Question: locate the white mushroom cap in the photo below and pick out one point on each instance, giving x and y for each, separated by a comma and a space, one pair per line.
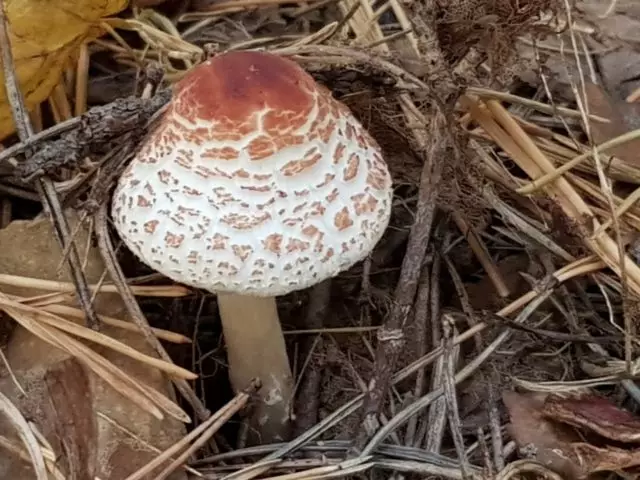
256, 181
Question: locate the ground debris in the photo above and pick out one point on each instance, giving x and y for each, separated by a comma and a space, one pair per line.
99, 131
93, 429
542, 427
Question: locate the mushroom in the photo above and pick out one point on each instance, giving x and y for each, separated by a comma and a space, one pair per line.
255, 182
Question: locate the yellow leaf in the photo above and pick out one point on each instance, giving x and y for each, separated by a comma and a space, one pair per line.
45, 36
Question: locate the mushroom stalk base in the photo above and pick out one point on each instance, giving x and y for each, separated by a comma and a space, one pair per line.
256, 349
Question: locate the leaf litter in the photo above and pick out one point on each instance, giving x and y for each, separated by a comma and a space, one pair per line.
509, 265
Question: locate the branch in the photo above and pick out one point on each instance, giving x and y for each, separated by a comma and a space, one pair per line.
44, 185
391, 335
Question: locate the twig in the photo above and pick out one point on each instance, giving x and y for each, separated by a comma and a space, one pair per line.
432, 431
238, 402
424, 470
436, 419
517, 468
46, 190
53, 131
552, 175
453, 414
605, 186
530, 303
12, 375
96, 133
337, 416
133, 309
463, 297
391, 335
213, 426
560, 336
481, 253
328, 448
486, 454
420, 320
308, 398
65, 287
423, 402
497, 442
437, 412
66, 311
541, 107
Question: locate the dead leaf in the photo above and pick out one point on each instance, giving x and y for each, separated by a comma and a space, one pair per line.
557, 445
623, 117
534, 434
45, 36
70, 410
596, 414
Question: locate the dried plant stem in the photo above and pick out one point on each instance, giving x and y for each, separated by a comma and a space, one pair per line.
22, 427
496, 432
508, 134
420, 404
97, 337
44, 185
481, 253
213, 426
391, 335
606, 188
144, 397
71, 312
519, 467
237, 403
436, 418
433, 426
541, 107
52, 285
308, 398
420, 320
449, 386
341, 413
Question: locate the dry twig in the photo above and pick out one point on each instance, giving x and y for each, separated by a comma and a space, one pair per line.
391, 335
46, 190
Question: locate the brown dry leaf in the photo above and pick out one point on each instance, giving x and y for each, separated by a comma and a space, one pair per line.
70, 409
45, 37
623, 118
557, 445
532, 431
594, 413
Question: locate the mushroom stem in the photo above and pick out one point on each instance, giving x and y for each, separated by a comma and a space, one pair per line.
256, 349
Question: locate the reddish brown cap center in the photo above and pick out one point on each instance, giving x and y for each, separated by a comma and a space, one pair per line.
235, 85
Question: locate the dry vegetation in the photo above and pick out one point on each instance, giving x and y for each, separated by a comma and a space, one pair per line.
490, 335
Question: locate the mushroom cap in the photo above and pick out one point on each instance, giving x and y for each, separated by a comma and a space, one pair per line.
255, 181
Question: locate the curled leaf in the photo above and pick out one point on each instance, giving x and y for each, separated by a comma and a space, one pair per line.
596, 414
541, 427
